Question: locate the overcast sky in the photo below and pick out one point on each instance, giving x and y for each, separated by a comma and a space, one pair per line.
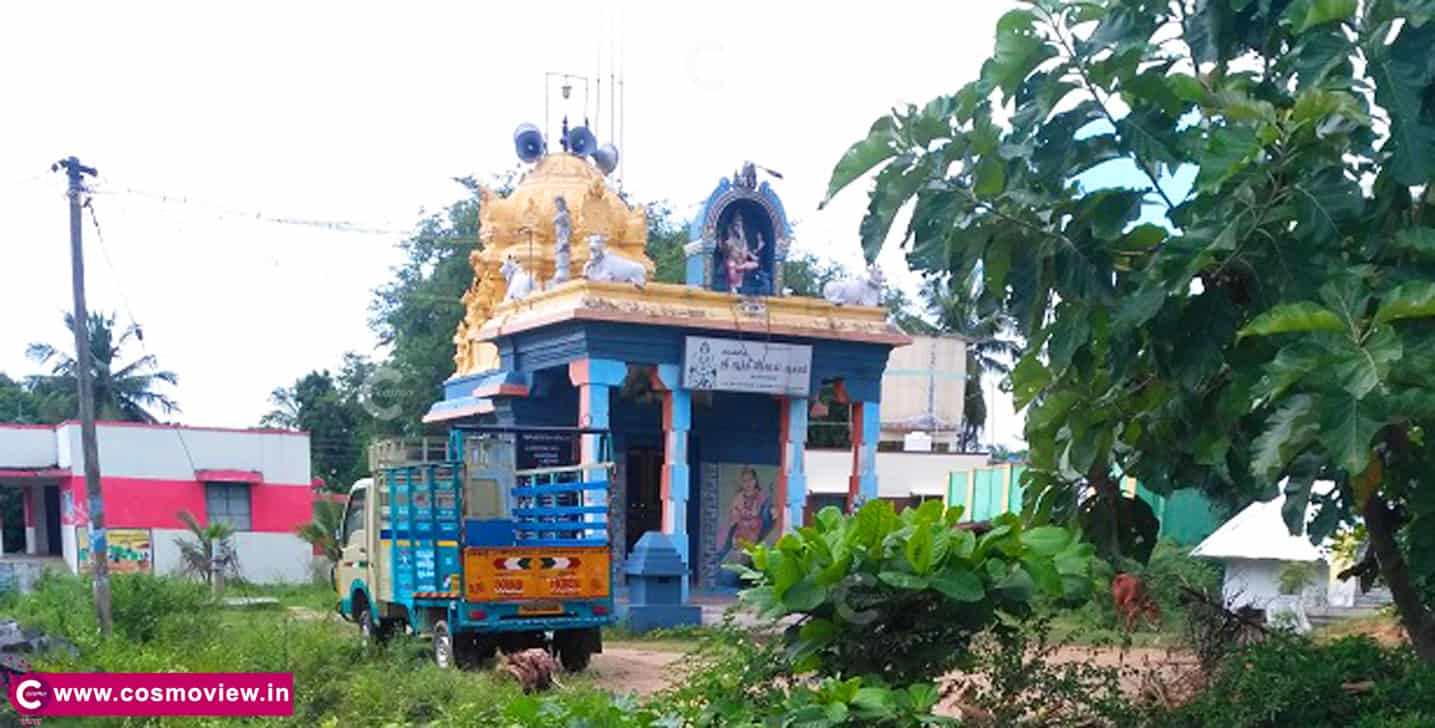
348, 112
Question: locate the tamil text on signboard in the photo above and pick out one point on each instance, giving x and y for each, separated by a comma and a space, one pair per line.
747, 366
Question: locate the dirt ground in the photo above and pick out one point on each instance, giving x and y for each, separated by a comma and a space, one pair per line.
636, 668
632, 668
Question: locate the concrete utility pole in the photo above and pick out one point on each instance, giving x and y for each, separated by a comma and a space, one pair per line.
99, 551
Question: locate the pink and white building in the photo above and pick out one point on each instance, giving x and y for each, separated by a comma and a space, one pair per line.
258, 481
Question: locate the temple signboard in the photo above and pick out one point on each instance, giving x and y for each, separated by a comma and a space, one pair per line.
731, 365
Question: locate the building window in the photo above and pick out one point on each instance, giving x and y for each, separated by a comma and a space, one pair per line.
228, 503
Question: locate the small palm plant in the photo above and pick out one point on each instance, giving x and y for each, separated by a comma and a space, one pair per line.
211, 555
321, 532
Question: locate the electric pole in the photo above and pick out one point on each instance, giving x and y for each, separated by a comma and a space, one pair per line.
99, 550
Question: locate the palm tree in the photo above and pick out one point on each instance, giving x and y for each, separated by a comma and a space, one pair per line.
125, 393
990, 346
285, 415
328, 516
211, 555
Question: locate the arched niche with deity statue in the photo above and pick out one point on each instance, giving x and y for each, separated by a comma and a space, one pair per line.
740, 238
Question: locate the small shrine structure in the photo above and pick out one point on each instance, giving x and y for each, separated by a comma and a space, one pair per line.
704, 385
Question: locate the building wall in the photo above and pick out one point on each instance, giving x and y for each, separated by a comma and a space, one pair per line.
150, 473
24, 446
925, 379
264, 558
1256, 583
172, 453
899, 474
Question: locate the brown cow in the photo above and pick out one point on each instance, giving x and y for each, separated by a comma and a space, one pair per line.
1129, 596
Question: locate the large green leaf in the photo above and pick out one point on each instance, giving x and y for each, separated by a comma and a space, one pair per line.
1028, 378
1347, 426
1402, 73
1303, 15
1415, 299
1419, 241
1326, 200
1294, 317
903, 580
1288, 430
861, 157
990, 177
1297, 494
1046, 540
1231, 149
1019, 50
1361, 368
919, 549
959, 585
895, 185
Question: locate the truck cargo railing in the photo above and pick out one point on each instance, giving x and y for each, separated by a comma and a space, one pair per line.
561, 506
398, 451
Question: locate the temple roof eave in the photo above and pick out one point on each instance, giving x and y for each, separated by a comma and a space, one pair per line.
662, 304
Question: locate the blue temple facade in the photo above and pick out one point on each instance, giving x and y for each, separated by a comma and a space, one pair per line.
705, 386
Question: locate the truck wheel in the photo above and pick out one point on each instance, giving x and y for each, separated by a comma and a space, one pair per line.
575, 648
373, 631
443, 645
471, 650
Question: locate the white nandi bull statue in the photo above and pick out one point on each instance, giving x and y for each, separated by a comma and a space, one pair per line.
520, 281
605, 266
859, 290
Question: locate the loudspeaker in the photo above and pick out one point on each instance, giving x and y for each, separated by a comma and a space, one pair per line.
528, 142
581, 141
606, 158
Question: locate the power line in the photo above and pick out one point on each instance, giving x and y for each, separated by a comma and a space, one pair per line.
129, 310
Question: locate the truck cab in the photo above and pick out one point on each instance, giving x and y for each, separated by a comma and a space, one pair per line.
499, 542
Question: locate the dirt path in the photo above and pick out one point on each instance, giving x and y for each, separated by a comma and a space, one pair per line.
632, 668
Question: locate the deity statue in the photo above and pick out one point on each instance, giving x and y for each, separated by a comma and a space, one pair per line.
562, 231
739, 257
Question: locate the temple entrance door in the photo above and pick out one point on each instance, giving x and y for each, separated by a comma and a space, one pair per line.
645, 485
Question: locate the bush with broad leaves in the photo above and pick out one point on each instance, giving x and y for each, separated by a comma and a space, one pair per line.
898, 597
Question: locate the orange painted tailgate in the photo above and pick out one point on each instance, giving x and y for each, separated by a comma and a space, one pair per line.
516, 574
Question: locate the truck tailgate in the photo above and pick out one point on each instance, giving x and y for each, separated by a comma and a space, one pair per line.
536, 572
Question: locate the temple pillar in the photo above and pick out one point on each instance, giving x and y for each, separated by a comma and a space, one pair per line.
595, 380
677, 422
791, 491
866, 425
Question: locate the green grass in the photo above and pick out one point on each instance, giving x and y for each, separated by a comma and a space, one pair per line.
338, 681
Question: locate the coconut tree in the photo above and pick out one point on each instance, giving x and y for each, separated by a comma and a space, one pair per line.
320, 532
209, 553
125, 392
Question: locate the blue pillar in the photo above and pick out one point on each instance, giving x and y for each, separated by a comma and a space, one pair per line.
595, 379
793, 475
677, 422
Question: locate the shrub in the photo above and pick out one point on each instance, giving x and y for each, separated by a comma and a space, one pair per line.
140, 602
900, 597
1020, 685
1290, 680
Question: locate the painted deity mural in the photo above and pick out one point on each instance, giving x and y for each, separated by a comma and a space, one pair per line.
746, 513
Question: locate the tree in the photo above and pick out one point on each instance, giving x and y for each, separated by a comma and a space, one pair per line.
416, 313
208, 553
328, 517
666, 239
1275, 324
122, 392
332, 410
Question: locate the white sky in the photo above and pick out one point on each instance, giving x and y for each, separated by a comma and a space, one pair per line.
354, 113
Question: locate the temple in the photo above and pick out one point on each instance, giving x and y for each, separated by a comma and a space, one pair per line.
705, 386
